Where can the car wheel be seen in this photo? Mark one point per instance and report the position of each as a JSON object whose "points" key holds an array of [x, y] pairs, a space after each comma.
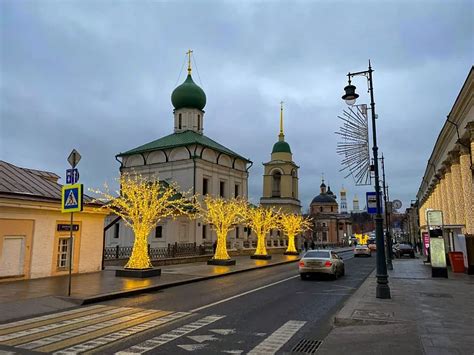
{"points": [[303, 276], [343, 272], [412, 256]]}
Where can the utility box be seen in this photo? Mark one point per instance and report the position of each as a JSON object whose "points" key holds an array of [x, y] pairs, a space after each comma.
{"points": [[456, 259]]}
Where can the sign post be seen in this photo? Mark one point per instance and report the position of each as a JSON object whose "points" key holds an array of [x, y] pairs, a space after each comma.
{"points": [[72, 201]]}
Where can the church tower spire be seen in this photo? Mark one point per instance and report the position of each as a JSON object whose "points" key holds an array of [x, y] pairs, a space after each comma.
{"points": [[281, 136]]}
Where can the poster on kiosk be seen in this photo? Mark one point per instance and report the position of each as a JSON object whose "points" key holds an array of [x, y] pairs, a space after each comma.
{"points": [[437, 252]]}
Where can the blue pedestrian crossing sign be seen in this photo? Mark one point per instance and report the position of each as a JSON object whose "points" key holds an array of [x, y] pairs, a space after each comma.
{"points": [[72, 198]]}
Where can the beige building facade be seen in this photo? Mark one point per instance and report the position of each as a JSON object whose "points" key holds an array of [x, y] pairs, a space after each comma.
{"points": [[280, 177], [34, 234], [447, 184]]}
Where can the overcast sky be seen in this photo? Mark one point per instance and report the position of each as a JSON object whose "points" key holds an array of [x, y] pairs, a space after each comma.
{"points": [[97, 76]]}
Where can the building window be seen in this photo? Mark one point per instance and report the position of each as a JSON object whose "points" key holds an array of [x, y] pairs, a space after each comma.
{"points": [[63, 253], [236, 232], [331, 208], [270, 233], [199, 122], [159, 232], [116, 230], [276, 184], [204, 231], [179, 121], [222, 189], [205, 183], [325, 237], [321, 209], [236, 190]]}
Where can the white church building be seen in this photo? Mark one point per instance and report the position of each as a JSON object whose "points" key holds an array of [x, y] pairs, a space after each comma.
{"points": [[192, 160]]}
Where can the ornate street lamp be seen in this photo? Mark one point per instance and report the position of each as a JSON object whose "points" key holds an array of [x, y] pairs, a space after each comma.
{"points": [[383, 289]]}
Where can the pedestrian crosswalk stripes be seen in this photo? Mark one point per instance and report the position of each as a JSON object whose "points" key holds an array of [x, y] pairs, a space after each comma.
{"points": [[55, 324], [278, 338], [99, 342], [157, 341], [98, 325], [5, 328]]}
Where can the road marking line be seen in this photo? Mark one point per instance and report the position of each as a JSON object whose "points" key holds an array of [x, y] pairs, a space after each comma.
{"points": [[48, 316], [78, 336], [157, 341], [242, 294], [43, 328], [105, 340], [278, 338], [44, 335]]}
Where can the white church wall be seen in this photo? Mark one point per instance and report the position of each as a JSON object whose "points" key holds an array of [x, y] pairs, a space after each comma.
{"points": [[133, 160], [179, 154], [156, 157]]}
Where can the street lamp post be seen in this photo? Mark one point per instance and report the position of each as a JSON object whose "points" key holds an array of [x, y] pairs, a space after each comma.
{"points": [[383, 289], [387, 221]]}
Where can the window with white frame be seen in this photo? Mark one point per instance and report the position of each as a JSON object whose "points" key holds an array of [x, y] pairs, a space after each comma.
{"points": [[63, 253]]}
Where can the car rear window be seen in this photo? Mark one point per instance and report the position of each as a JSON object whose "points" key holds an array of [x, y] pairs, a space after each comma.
{"points": [[317, 254]]}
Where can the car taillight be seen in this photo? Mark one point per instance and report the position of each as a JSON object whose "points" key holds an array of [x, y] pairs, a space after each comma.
{"points": [[301, 263], [328, 263]]}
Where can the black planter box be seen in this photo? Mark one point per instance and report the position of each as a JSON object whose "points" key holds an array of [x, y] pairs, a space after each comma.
{"points": [[261, 257], [138, 273], [221, 262], [291, 253]]}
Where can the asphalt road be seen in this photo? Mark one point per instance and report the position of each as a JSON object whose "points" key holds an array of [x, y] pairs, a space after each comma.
{"points": [[270, 306]]}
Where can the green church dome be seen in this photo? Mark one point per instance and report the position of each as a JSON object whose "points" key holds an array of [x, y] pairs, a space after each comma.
{"points": [[188, 95], [281, 147]]}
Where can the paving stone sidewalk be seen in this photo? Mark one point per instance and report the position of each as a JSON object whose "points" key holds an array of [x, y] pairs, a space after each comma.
{"points": [[424, 316]]}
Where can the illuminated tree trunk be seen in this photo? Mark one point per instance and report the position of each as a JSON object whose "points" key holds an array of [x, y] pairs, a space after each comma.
{"points": [[139, 258], [221, 249], [261, 247], [291, 244]]}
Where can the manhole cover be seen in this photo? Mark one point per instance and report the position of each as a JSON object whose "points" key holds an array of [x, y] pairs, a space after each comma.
{"points": [[306, 346], [436, 295], [358, 313]]}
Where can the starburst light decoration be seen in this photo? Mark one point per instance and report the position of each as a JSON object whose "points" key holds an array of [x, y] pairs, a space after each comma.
{"points": [[142, 203], [261, 220], [291, 225], [223, 215]]}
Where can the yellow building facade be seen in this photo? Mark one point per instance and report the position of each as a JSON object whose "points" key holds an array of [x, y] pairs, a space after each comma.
{"points": [[447, 184], [34, 234]]}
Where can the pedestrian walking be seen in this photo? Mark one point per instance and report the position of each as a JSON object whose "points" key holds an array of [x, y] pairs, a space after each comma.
{"points": [[305, 245], [313, 245], [214, 246]]}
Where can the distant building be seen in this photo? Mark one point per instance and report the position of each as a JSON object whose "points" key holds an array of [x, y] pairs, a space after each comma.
{"points": [[34, 234], [329, 226], [343, 205], [355, 205]]}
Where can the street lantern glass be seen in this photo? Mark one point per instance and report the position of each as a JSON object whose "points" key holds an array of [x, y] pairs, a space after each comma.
{"points": [[350, 96]]}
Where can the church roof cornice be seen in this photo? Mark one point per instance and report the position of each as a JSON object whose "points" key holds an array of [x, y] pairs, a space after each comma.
{"points": [[182, 139]]}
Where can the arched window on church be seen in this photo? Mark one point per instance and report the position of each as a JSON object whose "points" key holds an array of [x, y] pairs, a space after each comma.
{"points": [[276, 184], [199, 122], [179, 121]]}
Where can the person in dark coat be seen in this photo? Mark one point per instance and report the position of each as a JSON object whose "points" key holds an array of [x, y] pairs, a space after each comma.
{"points": [[313, 245], [214, 246], [305, 245]]}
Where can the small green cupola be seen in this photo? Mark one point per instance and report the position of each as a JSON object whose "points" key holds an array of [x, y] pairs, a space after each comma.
{"points": [[188, 95]]}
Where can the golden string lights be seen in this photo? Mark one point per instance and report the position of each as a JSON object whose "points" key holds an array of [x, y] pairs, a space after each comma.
{"points": [[142, 203], [291, 225], [223, 215], [261, 220]]}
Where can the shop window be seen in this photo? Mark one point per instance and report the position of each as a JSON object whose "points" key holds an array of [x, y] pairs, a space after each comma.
{"points": [[116, 230], [159, 232]]}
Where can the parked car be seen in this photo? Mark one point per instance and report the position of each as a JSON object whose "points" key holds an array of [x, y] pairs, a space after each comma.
{"points": [[401, 249], [362, 250], [321, 262]]}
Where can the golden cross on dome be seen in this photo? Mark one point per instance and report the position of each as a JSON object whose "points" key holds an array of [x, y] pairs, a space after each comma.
{"points": [[189, 52], [281, 119]]}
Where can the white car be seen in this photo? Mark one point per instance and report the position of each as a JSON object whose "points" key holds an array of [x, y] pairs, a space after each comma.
{"points": [[362, 250], [321, 262]]}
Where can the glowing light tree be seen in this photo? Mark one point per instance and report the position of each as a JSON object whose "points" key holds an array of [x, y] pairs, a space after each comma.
{"points": [[291, 225], [261, 220], [142, 203], [223, 215]]}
